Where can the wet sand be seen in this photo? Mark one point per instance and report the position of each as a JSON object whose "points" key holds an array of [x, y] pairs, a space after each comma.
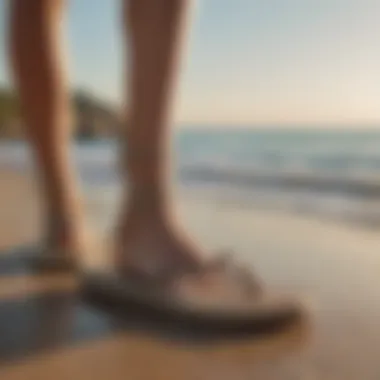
{"points": [[334, 266], [19, 215]]}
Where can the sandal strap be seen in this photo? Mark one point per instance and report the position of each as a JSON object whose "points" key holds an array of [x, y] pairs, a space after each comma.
{"points": [[226, 264], [223, 264]]}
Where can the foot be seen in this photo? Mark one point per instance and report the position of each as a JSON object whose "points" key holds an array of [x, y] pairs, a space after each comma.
{"points": [[65, 241], [154, 244], [158, 266], [157, 248]]}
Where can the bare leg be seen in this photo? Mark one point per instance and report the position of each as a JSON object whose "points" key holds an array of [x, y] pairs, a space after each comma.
{"points": [[147, 234], [148, 238], [42, 87]]}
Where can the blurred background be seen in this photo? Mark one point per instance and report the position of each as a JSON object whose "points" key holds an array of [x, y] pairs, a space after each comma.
{"points": [[277, 107]]}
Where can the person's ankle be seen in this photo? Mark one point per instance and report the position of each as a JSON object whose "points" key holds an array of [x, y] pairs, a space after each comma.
{"points": [[65, 230], [139, 216], [153, 236], [148, 203]]}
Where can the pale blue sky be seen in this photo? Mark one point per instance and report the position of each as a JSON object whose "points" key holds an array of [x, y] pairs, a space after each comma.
{"points": [[248, 61]]}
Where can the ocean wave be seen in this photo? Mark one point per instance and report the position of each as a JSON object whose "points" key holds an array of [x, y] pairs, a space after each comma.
{"points": [[358, 185]]}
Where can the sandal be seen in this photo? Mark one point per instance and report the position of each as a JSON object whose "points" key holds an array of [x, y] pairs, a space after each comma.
{"points": [[220, 294]]}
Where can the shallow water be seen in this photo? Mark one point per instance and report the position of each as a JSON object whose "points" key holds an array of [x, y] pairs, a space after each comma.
{"points": [[334, 174]]}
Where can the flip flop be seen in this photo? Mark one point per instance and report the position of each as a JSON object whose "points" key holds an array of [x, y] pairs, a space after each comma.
{"points": [[218, 295]]}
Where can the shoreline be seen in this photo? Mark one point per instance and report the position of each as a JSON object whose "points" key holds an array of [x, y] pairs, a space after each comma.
{"points": [[364, 186]]}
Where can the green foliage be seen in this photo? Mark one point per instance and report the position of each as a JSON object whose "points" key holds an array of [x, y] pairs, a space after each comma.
{"points": [[93, 116]]}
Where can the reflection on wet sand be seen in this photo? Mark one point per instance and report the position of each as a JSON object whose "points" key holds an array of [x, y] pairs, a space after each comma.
{"points": [[335, 266]]}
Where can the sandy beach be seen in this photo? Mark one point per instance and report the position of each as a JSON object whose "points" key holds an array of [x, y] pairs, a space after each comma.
{"points": [[334, 266], [19, 216]]}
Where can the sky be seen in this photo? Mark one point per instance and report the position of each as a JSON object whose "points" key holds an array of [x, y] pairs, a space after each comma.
{"points": [[247, 62]]}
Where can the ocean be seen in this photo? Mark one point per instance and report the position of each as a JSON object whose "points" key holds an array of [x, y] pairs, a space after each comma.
{"points": [[317, 173]]}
